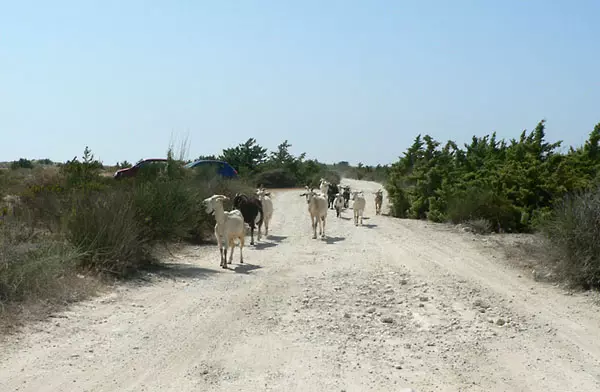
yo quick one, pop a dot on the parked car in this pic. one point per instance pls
(223, 168)
(132, 171)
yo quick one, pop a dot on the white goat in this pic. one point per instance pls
(317, 208)
(338, 204)
(267, 204)
(324, 187)
(378, 201)
(358, 206)
(230, 225)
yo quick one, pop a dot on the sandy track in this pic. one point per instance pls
(390, 305)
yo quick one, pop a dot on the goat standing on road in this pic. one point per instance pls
(346, 194)
(317, 208)
(338, 204)
(230, 225)
(358, 206)
(331, 192)
(250, 207)
(267, 204)
(324, 187)
(378, 201)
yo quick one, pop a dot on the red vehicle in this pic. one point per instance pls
(132, 171)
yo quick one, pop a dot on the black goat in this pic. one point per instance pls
(250, 207)
(346, 195)
(331, 192)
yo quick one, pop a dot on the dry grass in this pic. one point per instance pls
(528, 253)
(69, 288)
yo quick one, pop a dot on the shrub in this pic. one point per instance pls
(22, 164)
(168, 210)
(104, 227)
(276, 178)
(480, 226)
(477, 203)
(32, 267)
(574, 233)
(399, 203)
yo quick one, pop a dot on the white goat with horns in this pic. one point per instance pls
(317, 208)
(230, 225)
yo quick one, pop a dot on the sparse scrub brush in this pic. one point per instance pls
(105, 228)
(479, 226)
(32, 267)
(574, 232)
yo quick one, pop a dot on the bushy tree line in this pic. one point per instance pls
(276, 169)
(378, 173)
(520, 185)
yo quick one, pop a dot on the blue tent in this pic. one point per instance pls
(224, 169)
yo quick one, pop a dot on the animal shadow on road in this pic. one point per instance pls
(369, 226)
(244, 268)
(333, 240)
(345, 218)
(276, 238)
(174, 271)
(264, 245)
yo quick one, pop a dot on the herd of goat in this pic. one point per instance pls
(256, 210)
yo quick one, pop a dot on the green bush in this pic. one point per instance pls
(574, 233)
(476, 203)
(105, 228)
(276, 178)
(22, 164)
(168, 210)
(399, 203)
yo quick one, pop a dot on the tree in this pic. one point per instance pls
(22, 164)
(246, 157)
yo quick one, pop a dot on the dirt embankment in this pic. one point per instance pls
(390, 305)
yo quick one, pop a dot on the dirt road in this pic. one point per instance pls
(393, 304)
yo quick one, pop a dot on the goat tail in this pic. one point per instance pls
(262, 216)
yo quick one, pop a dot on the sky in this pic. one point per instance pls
(340, 80)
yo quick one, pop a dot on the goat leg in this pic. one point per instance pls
(232, 246)
(241, 247)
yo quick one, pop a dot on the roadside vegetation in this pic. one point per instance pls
(523, 185)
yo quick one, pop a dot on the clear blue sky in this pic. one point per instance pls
(342, 80)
